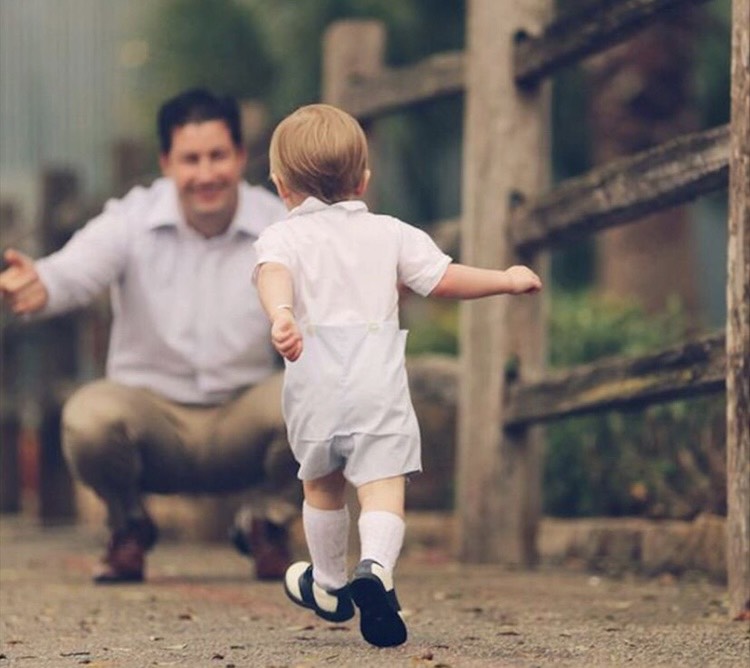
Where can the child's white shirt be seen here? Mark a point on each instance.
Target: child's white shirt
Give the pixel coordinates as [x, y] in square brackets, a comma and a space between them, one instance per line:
[349, 386]
[346, 263]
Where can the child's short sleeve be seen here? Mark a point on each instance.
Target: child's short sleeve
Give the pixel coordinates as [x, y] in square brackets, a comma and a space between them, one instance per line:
[421, 263]
[272, 246]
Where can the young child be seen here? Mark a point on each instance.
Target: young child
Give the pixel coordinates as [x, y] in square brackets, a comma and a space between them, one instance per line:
[328, 278]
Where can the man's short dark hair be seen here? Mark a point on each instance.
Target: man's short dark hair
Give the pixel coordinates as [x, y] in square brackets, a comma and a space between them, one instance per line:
[197, 105]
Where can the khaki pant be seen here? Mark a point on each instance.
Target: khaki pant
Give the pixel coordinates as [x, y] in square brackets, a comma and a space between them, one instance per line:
[124, 442]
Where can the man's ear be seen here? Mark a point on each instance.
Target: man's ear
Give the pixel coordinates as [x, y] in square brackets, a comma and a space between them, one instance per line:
[164, 163]
[242, 154]
[362, 187]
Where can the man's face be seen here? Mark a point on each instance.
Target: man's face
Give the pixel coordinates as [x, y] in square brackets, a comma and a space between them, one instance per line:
[206, 167]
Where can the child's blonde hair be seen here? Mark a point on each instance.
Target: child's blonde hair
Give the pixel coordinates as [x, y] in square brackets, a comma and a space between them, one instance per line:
[319, 150]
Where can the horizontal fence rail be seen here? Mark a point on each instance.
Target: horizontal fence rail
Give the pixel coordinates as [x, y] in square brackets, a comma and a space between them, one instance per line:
[693, 368]
[624, 191]
[396, 88]
[584, 32]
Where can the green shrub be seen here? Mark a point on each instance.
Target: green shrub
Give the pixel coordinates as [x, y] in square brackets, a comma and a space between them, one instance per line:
[664, 461]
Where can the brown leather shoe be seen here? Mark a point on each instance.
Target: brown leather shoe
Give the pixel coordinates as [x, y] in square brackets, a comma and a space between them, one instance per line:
[267, 544]
[125, 559]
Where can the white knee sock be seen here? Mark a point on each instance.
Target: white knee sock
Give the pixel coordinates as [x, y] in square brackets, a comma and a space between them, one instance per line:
[381, 535]
[327, 534]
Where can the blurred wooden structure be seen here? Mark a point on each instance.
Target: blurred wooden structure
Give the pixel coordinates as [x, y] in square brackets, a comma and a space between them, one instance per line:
[510, 214]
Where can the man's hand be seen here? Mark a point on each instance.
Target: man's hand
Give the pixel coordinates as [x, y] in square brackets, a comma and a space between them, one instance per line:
[20, 284]
[285, 335]
[523, 280]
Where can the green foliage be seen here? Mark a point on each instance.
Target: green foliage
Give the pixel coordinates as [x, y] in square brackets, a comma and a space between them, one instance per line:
[585, 327]
[665, 461]
[434, 330]
[215, 44]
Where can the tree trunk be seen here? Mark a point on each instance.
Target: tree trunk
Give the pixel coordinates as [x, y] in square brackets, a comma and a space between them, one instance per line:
[640, 95]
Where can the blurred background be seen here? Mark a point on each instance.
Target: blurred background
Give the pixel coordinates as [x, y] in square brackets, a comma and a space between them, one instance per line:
[80, 83]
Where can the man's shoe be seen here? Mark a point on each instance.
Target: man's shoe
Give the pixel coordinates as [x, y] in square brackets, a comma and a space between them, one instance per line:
[267, 544]
[125, 559]
[372, 590]
[333, 606]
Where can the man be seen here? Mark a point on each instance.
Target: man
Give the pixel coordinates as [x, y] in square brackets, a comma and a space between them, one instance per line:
[191, 402]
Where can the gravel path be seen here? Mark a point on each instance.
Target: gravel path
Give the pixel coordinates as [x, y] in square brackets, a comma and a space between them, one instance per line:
[200, 608]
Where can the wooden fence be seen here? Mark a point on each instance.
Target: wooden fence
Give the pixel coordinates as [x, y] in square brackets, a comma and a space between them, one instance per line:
[511, 214]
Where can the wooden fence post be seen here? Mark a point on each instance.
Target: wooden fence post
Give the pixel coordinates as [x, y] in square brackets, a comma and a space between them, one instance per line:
[505, 155]
[10, 489]
[350, 48]
[353, 48]
[61, 211]
[738, 319]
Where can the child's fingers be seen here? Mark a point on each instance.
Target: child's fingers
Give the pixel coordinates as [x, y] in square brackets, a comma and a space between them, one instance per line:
[288, 345]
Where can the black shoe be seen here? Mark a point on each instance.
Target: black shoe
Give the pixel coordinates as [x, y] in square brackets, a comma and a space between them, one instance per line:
[333, 606]
[372, 591]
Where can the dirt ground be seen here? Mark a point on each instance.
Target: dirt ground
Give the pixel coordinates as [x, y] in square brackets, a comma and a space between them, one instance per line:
[200, 607]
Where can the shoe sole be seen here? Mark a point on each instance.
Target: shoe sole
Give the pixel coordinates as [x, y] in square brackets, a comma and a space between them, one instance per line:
[118, 579]
[379, 623]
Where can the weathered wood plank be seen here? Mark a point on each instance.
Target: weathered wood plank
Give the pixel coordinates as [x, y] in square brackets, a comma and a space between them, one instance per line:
[625, 190]
[498, 476]
[393, 88]
[583, 32]
[738, 321]
[354, 49]
[693, 368]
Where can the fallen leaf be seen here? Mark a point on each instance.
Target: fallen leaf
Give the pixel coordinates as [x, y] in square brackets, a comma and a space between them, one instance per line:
[508, 632]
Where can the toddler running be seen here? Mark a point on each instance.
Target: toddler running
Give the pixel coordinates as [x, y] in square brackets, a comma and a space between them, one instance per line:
[328, 277]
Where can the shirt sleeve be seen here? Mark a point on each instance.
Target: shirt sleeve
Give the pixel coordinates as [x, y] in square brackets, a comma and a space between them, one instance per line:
[86, 265]
[421, 263]
[272, 247]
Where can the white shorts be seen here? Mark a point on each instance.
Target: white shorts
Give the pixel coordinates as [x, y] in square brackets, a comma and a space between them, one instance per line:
[347, 406]
[363, 457]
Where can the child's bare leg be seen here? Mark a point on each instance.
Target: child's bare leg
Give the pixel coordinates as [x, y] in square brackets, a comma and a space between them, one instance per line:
[325, 518]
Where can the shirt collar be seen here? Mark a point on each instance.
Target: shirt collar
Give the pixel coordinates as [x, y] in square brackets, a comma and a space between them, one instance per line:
[166, 211]
[313, 204]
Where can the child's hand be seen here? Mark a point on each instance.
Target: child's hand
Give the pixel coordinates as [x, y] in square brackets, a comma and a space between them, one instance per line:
[523, 280]
[285, 335]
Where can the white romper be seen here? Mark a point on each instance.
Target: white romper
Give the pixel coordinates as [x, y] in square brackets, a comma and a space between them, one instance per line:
[346, 399]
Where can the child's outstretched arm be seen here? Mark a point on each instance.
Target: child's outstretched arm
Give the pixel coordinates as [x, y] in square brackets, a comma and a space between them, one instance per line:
[276, 294]
[461, 281]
